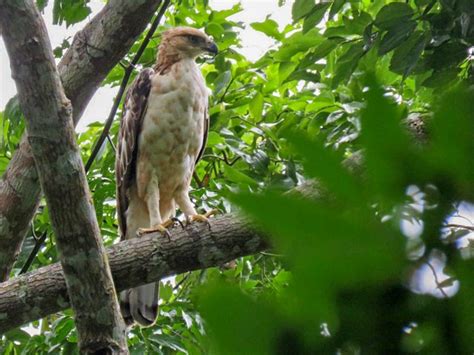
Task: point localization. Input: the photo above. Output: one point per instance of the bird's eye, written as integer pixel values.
(193, 39)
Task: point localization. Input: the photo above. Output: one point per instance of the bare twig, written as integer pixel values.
(185, 277)
(470, 228)
(111, 143)
(198, 181)
(38, 243)
(224, 158)
(435, 275)
(226, 90)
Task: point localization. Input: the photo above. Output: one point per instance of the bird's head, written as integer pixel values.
(187, 42)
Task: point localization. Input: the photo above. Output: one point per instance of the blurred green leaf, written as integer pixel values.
(269, 27)
(315, 16)
(70, 11)
(325, 165)
(388, 153)
(407, 55)
(297, 43)
(256, 106)
(301, 8)
(347, 63)
(237, 176)
(336, 7)
(454, 120)
(219, 303)
(395, 36)
(393, 14)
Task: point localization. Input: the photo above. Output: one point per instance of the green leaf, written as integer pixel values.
(62, 327)
(454, 120)
(342, 241)
(395, 36)
(168, 341)
(315, 16)
(447, 55)
(304, 75)
(41, 4)
(221, 82)
(407, 55)
(296, 43)
(18, 335)
(326, 47)
(393, 14)
(257, 324)
(13, 111)
(441, 79)
(285, 69)
(388, 153)
(3, 164)
(214, 139)
(357, 24)
(215, 29)
(326, 165)
(256, 106)
(269, 27)
(70, 12)
(301, 8)
(347, 63)
(239, 177)
(336, 6)
(421, 3)
(166, 291)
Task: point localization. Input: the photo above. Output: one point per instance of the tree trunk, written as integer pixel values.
(134, 262)
(51, 136)
(94, 52)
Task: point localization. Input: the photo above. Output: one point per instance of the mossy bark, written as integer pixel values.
(50, 133)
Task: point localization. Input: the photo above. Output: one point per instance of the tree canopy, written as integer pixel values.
(370, 103)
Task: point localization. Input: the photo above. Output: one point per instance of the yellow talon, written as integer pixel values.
(199, 218)
(203, 217)
(162, 228)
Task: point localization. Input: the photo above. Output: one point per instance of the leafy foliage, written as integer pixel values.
(347, 275)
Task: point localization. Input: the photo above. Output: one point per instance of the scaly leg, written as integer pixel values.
(185, 204)
(162, 228)
(152, 198)
(204, 217)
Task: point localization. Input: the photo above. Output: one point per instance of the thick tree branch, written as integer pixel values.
(51, 136)
(134, 262)
(94, 52)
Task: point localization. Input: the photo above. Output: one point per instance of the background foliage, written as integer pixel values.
(349, 269)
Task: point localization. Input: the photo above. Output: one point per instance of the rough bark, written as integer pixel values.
(51, 136)
(94, 52)
(134, 262)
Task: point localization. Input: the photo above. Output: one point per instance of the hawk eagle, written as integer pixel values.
(162, 136)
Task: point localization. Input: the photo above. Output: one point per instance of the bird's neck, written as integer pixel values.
(167, 57)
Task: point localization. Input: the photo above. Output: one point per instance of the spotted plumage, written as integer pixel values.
(162, 136)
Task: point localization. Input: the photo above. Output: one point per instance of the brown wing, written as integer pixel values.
(127, 146)
(204, 136)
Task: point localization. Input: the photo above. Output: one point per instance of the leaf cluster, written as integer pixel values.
(346, 274)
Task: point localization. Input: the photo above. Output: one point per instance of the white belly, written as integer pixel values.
(173, 126)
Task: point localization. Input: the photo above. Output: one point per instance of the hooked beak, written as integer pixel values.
(212, 48)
